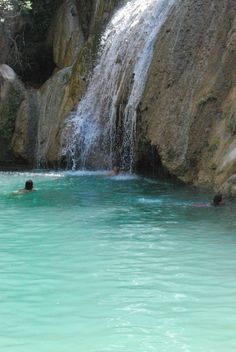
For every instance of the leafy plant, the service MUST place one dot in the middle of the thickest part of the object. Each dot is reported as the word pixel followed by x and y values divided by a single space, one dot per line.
pixel 12 8
pixel 206 99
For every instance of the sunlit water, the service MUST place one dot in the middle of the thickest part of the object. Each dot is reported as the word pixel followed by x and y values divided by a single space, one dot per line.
pixel 90 263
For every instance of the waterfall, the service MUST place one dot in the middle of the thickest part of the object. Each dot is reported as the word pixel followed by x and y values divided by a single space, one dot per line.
pixel 103 129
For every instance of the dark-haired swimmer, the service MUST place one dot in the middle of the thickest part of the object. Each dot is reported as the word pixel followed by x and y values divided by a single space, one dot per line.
pixel 218 200
pixel 29 187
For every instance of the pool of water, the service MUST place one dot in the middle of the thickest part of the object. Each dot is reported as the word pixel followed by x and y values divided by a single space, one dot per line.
pixel 90 263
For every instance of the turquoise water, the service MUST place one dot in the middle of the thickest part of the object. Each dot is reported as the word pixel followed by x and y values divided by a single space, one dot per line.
pixel 124 264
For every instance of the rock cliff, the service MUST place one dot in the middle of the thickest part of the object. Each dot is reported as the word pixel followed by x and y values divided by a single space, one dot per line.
pixel 188 113
pixel 12 93
pixel 73 36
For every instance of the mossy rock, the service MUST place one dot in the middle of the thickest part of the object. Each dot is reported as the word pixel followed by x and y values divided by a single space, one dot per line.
pixel 206 99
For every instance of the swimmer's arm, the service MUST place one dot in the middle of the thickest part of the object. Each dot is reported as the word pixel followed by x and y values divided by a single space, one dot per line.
pixel 22 191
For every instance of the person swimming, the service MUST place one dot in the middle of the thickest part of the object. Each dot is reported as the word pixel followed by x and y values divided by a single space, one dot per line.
pixel 115 171
pixel 218 200
pixel 29 187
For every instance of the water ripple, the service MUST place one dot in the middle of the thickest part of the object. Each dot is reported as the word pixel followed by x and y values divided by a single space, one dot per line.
pixel 84 263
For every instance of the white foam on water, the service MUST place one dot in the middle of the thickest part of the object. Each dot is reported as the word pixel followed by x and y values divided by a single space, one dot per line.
pixel 83 173
pixel 124 177
pixel 166 201
pixel 32 174
pixel 150 201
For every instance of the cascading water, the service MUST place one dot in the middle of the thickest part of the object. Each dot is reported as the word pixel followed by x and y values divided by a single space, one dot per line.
pixel 102 131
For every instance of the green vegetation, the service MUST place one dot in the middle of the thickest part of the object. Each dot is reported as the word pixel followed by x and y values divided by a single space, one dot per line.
pixel 11 8
pixel 206 99
pixel 12 15
pixel 24 26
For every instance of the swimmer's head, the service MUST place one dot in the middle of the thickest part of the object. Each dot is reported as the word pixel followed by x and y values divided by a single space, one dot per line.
pixel 218 199
pixel 116 169
pixel 29 185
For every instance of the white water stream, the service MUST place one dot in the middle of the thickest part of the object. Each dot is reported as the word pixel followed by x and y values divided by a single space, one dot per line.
pixel 104 126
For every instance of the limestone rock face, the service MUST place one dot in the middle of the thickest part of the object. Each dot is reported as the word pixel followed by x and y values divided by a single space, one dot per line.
pixel 66 34
pixel 18 118
pixel 229 186
pixel 40 121
pixel 61 93
pixel 54 105
pixel 188 110
pixel 187 114
pixel 25 132
pixel 3 46
pixel 11 96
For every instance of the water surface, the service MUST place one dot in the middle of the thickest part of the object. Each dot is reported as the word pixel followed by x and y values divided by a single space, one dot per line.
pixel 90 263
